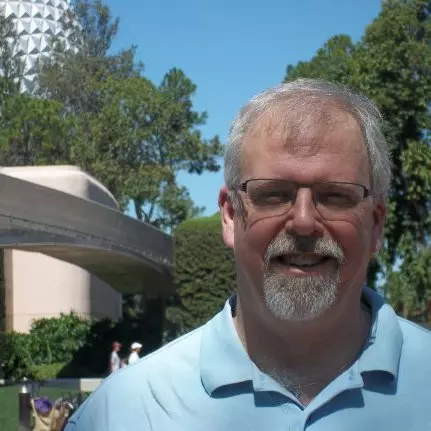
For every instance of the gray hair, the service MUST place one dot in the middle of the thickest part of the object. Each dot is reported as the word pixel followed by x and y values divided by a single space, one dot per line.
pixel 307 91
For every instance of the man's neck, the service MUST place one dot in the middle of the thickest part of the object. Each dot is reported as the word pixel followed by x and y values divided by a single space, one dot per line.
pixel 304 357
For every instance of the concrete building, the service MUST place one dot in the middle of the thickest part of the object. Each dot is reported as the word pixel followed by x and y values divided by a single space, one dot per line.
pixel 51 238
pixel 131 256
pixel 40 286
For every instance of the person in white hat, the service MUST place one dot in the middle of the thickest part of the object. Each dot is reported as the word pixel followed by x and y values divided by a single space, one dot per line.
pixel 134 354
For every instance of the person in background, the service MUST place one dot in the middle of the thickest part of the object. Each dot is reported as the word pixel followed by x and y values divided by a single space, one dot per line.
pixel 135 348
pixel 114 359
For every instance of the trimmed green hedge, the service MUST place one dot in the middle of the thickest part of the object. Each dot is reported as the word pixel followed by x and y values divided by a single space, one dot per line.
pixel 204 275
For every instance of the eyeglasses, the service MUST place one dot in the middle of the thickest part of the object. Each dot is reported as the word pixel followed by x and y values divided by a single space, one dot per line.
pixel 270 197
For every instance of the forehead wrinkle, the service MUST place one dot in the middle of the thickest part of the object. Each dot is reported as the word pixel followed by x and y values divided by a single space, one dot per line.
pixel 302 127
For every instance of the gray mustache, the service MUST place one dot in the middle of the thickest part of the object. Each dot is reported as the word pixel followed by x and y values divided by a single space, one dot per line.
pixel 285 244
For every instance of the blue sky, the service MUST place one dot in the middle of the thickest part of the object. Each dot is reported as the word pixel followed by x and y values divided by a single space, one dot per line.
pixel 231 49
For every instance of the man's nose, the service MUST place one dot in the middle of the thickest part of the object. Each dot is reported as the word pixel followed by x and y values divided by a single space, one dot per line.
pixel 303 217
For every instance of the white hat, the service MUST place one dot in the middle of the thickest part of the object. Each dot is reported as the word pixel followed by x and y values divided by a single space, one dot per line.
pixel 136 345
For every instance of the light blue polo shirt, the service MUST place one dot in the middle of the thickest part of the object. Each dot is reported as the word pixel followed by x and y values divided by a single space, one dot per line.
pixel 205 381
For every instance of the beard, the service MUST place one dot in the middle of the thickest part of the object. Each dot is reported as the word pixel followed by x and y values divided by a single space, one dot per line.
pixel 300 298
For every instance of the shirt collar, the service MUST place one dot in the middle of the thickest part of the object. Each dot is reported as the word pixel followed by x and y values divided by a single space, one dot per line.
pixel 223 358
pixel 383 349
pixel 224 361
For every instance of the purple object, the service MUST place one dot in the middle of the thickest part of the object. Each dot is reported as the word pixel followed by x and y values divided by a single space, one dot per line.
pixel 42 405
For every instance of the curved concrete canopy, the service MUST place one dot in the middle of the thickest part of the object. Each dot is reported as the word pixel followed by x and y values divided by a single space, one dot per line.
pixel 130 255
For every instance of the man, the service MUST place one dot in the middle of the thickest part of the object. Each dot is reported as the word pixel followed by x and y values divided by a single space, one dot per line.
pixel 114 359
pixel 303 345
pixel 135 348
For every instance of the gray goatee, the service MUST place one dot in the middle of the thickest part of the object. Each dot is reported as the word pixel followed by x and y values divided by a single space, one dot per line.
pixel 300 298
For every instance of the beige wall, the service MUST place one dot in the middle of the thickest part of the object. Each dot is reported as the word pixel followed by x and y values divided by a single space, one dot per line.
pixel 40 286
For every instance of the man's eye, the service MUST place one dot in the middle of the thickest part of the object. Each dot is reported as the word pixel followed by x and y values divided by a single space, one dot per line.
pixel 271 197
pixel 336 198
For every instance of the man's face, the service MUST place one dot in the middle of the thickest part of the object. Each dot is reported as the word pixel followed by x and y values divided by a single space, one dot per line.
pixel 300 264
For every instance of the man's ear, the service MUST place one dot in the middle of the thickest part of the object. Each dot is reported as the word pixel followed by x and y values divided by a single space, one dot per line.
pixel 379 216
pixel 227 217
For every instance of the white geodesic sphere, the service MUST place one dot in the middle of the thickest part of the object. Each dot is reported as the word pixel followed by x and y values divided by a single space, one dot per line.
pixel 36 21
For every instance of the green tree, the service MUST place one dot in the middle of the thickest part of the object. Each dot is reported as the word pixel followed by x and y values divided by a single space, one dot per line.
pixel 11 65
pixel 141 138
pixel 73 70
pixel 34 132
pixel 392 65
pixel 173 143
pixel 131 134
pixel 413 303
